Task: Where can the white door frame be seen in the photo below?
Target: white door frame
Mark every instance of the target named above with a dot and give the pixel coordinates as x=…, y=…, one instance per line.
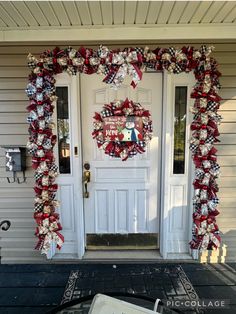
x=79, y=216
x=166, y=161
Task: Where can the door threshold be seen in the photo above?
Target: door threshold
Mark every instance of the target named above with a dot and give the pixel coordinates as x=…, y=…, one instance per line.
x=122, y=255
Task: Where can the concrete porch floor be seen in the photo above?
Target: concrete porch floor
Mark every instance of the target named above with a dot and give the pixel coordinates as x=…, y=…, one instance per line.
x=38, y=288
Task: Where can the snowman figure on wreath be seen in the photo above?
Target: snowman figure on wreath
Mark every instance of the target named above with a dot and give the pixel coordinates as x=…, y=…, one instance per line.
x=130, y=133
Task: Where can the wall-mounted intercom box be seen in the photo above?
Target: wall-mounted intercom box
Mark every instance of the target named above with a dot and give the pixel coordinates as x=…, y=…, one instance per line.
x=15, y=158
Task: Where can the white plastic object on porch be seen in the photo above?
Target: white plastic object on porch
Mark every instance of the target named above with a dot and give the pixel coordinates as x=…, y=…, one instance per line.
x=103, y=304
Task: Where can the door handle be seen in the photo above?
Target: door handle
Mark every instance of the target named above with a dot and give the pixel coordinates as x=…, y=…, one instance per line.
x=86, y=180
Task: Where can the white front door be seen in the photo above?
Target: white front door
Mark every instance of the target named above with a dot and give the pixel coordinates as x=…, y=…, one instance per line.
x=124, y=196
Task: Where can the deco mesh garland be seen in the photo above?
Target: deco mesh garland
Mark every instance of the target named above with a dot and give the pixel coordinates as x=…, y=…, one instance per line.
x=115, y=65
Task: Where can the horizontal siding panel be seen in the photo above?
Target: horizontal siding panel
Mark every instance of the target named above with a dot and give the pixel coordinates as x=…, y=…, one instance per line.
x=227, y=182
x=30, y=182
x=227, y=230
x=223, y=150
x=13, y=106
x=14, y=72
x=29, y=173
x=228, y=171
x=227, y=192
x=228, y=116
x=12, y=214
x=13, y=118
x=13, y=60
x=227, y=160
x=13, y=83
x=228, y=138
x=229, y=81
x=18, y=233
x=229, y=212
x=13, y=95
x=17, y=129
x=23, y=243
x=228, y=105
x=230, y=222
x=227, y=128
x=16, y=204
x=17, y=192
x=226, y=69
x=224, y=57
x=227, y=202
x=20, y=252
x=22, y=222
x=228, y=93
x=20, y=140
x=24, y=260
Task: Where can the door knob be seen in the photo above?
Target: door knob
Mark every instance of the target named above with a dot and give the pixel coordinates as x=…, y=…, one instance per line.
x=86, y=179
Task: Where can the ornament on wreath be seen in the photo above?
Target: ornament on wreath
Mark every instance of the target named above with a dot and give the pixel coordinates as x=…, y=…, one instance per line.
x=122, y=129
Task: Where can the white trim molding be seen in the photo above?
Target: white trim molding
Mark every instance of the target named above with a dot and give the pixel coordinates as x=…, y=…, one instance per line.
x=163, y=32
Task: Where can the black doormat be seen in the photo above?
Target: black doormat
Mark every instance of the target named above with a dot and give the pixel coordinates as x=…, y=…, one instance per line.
x=157, y=281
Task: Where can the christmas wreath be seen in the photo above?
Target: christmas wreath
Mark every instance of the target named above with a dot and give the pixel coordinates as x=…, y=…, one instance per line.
x=122, y=129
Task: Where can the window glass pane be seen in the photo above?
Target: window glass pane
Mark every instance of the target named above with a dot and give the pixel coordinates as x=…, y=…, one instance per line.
x=180, y=129
x=63, y=129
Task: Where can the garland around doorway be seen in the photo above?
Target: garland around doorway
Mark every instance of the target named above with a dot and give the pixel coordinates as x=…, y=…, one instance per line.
x=115, y=65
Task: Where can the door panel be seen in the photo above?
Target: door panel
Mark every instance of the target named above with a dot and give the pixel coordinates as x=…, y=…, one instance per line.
x=124, y=195
x=66, y=120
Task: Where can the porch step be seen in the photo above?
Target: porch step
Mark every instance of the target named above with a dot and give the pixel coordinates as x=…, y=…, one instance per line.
x=140, y=255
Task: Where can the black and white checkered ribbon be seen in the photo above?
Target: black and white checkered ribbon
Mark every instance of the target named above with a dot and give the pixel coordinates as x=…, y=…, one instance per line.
x=38, y=207
x=210, y=139
x=110, y=77
x=177, y=68
x=211, y=105
x=193, y=147
x=53, y=167
x=106, y=113
x=215, y=167
x=139, y=50
x=172, y=51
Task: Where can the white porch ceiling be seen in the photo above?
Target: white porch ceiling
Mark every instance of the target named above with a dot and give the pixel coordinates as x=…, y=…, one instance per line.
x=16, y=15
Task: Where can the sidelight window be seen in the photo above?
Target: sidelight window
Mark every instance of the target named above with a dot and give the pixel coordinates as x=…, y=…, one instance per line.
x=180, y=129
x=63, y=130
